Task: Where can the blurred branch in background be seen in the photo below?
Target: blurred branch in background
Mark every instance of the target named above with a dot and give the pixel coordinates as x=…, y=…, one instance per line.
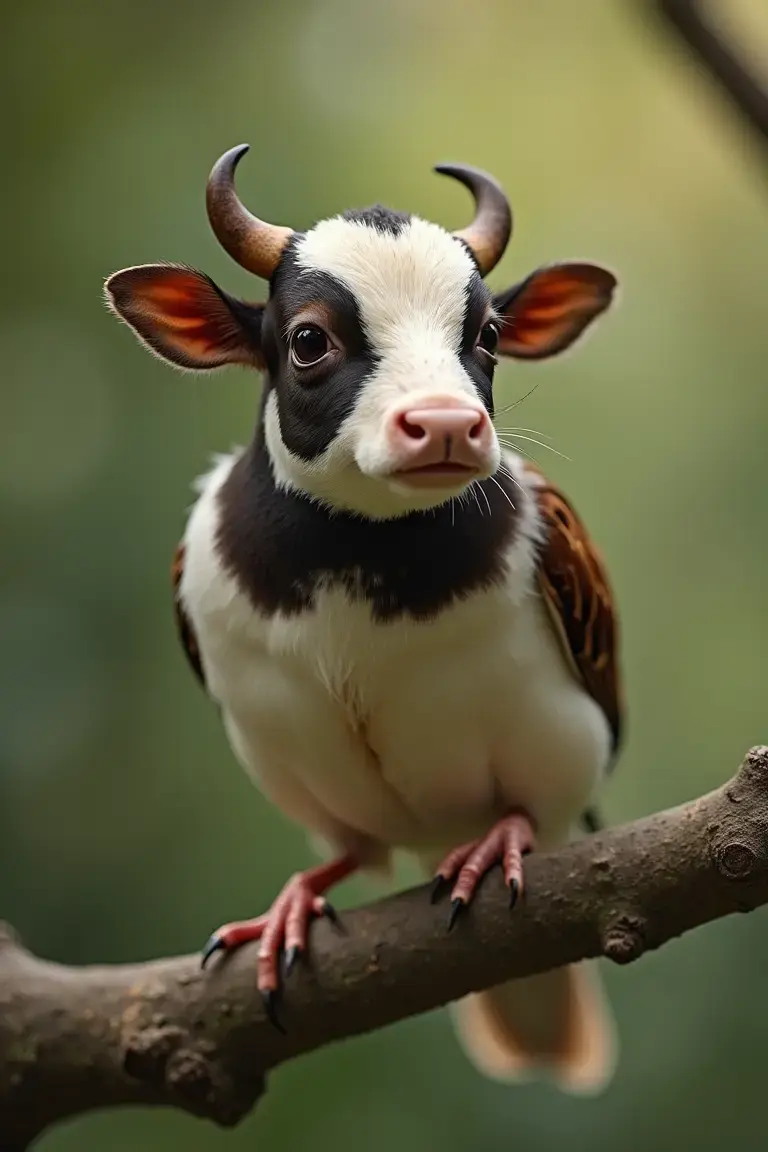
x=164, y=1033
x=719, y=59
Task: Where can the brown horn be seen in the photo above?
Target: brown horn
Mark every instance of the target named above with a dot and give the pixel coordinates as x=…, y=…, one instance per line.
x=255, y=245
x=489, y=232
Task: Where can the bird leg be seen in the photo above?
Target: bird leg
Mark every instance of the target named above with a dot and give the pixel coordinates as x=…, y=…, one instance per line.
x=286, y=925
x=507, y=842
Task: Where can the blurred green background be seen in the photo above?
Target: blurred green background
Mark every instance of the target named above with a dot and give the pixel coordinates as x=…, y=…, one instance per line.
x=126, y=828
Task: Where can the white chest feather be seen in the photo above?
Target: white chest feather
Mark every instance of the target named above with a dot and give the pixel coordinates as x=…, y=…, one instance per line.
x=399, y=734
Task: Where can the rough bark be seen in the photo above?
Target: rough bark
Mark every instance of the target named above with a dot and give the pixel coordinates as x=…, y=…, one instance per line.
x=165, y=1033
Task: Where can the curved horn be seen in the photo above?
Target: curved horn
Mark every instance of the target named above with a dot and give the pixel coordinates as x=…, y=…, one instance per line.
x=255, y=245
x=489, y=232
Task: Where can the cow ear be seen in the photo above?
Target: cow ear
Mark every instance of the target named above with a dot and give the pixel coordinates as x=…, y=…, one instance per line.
x=548, y=311
x=186, y=319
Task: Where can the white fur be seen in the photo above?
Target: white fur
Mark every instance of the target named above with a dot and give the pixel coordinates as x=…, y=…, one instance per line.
x=411, y=292
x=415, y=280
x=403, y=734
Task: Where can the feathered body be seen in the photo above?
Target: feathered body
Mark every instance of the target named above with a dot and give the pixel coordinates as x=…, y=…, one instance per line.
x=395, y=730
x=399, y=665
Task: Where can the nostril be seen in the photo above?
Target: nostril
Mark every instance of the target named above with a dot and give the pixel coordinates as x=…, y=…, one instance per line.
x=476, y=430
x=412, y=430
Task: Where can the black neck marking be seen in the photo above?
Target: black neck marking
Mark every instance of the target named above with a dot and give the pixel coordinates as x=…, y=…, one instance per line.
x=282, y=547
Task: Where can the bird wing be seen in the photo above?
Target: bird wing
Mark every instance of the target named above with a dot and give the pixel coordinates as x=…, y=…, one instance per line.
x=577, y=592
x=183, y=625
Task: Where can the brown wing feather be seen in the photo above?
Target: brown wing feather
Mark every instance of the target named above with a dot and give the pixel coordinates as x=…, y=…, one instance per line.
x=578, y=594
x=183, y=625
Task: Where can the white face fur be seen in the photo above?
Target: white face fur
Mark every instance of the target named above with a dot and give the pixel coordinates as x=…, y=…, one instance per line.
x=411, y=290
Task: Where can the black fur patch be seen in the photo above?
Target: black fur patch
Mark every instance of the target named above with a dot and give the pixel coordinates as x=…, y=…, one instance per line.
x=378, y=217
x=281, y=546
x=313, y=404
x=478, y=367
x=478, y=301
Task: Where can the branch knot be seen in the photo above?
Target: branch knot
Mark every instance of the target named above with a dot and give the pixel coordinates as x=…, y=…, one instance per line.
x=735, y=860
x=624, y=938
x=147, y=1052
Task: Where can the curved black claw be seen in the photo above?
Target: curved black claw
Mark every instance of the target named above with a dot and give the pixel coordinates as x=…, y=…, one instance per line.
x=437, y=889
x=270, y=1007
x=292, y=955
x=514, y=892
x=457, y=907
x=213, y=944
x=333, y=916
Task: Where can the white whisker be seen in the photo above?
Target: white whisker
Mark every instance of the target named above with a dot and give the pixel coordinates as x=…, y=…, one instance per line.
x=541, y=444
x=504, y=494
x=506, y=472
x=474, y=486
x=485, y=496
x=515, y=403
x=533, y=431
x=522, y=451
x=474, y=494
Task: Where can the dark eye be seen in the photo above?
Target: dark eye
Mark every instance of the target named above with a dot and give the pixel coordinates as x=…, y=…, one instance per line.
x=309, y=344
x=488, y=339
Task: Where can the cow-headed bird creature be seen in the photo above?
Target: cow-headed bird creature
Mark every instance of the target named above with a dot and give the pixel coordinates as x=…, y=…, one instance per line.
x=406, y=627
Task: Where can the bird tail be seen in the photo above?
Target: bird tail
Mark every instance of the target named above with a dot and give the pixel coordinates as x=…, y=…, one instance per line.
x=557, y=1024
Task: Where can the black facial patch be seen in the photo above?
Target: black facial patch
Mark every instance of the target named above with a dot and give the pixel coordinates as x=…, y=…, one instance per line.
x=313, y=403
x=480, y=371
x=478, y=367
x=378, y=217
x=281, y=546
x=478, y=300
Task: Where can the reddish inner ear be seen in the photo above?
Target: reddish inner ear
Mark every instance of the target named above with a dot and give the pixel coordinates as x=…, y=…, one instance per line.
x=552, y=308
x=184, y=317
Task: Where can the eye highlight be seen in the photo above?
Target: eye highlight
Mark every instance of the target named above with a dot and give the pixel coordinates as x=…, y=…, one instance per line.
x=308, y=345
x=488, y=340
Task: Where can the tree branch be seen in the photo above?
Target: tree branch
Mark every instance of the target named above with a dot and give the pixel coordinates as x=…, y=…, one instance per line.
x=719, y=60
x=164, y=1033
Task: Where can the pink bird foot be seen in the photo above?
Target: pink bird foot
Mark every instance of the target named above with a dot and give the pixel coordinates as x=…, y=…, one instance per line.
x=507, y=842
x=286, y=925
